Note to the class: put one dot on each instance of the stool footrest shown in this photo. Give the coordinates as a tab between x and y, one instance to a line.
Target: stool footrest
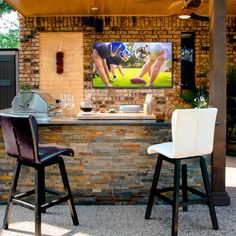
181	203
158	192
197	192
63	197
54	192
44	206
54	202
23	204
25	194
31	192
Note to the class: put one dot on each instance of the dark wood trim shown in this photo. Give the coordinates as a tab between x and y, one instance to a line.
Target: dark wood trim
217	78
221	198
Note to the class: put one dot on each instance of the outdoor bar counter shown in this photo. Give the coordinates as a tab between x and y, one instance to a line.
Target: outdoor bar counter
110	166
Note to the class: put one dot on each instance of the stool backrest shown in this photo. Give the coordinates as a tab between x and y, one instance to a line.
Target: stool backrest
9	136
23	136
193	131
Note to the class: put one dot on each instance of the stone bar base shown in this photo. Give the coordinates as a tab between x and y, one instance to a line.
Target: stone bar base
110	165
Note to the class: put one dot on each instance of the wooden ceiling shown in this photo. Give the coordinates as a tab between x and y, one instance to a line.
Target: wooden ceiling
109	7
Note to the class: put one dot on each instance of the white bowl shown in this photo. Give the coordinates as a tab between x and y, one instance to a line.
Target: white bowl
130	108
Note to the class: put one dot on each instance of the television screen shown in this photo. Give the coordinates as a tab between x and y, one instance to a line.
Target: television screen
132	64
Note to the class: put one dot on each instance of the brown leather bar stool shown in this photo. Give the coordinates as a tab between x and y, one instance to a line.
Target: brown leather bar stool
192	139
21	142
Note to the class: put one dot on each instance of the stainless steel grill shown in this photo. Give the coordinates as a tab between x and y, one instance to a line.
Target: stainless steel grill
35	103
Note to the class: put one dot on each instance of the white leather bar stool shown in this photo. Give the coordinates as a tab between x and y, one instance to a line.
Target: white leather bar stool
192	139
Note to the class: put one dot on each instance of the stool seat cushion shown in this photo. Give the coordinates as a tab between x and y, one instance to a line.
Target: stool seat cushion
161	148
166	149
48	151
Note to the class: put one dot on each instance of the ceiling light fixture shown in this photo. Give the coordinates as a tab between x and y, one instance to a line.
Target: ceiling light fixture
184	16
94	8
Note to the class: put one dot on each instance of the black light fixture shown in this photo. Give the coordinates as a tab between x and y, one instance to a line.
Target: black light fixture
98	25
94	8
184	14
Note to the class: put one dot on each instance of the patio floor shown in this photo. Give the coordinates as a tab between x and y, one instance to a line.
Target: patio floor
128	220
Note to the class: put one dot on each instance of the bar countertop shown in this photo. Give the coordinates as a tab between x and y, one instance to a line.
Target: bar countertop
97	119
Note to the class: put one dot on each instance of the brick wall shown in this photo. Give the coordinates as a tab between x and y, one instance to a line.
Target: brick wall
124	29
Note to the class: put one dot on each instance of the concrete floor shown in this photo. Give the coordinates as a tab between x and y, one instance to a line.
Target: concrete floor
128	220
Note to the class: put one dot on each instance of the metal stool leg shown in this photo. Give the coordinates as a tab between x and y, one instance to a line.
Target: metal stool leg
43	201
175	212
68	191
184	186
39	195
208	193
154	187
11	195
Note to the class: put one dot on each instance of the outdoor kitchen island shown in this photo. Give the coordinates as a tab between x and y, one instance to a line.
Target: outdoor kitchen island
110	165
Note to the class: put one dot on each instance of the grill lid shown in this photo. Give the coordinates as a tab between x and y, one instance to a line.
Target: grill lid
33	102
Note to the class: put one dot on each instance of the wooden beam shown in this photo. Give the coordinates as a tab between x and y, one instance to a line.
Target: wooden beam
217	64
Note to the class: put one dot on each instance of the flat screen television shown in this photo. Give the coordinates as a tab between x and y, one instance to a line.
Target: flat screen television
132	64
